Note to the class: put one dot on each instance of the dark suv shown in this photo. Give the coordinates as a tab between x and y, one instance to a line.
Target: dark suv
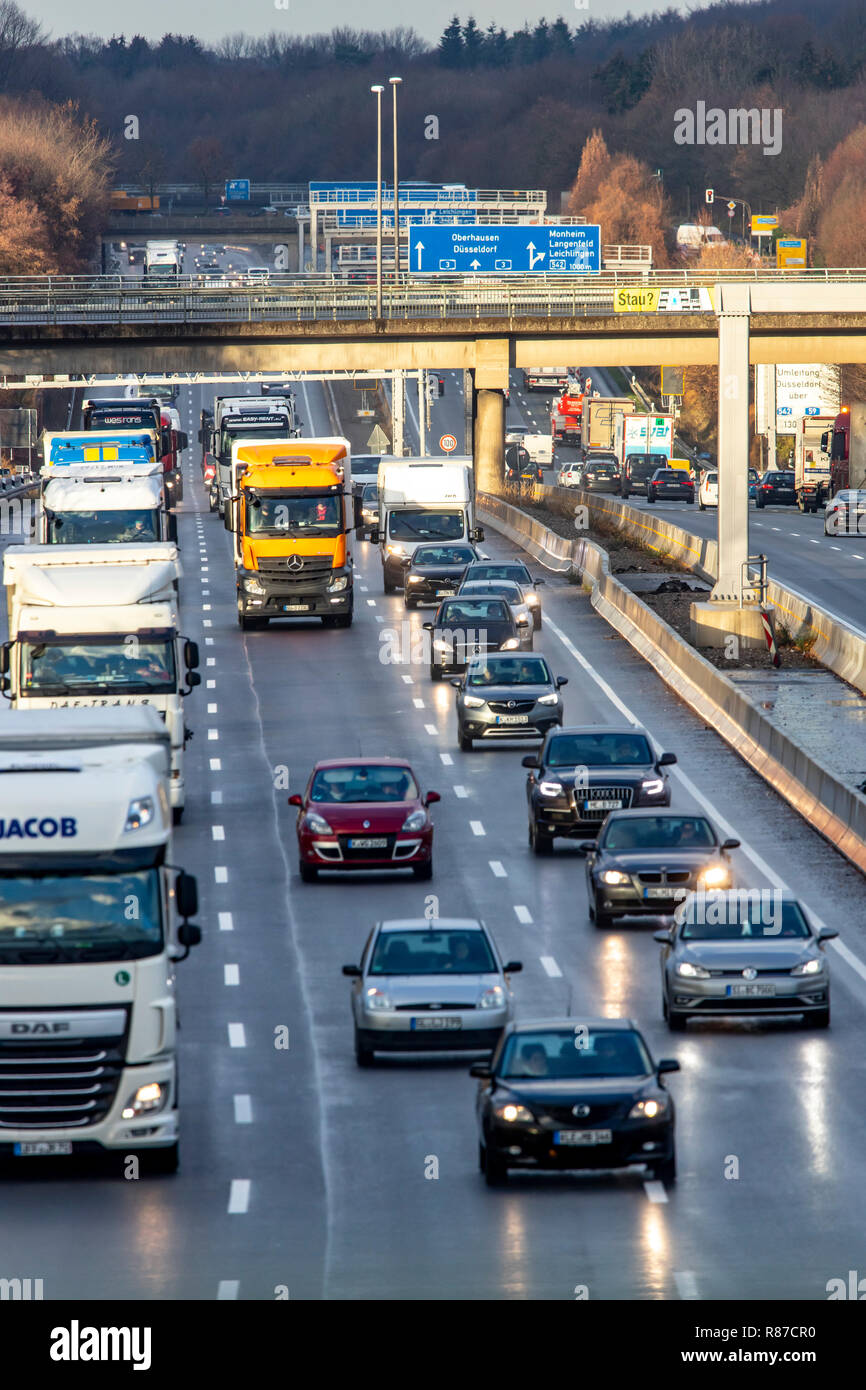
582	773
776	488
636	472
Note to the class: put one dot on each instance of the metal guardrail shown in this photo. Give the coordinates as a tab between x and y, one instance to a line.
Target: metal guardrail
120	299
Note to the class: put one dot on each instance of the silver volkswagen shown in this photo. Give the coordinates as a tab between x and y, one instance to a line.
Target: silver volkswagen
430	986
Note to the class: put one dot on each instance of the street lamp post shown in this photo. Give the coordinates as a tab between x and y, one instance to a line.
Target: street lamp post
395	83
378	90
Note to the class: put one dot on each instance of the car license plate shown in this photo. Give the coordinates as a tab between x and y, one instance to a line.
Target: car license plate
43	1150
445	593
751	991
658	892
436	1023
296	608
582	1138
599	804
378	842
512	718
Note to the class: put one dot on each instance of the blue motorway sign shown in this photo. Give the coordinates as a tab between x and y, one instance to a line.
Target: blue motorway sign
237	190
499	250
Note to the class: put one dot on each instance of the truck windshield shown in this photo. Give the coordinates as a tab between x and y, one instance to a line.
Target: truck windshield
295	516
421	525
100	528
79	917
74	666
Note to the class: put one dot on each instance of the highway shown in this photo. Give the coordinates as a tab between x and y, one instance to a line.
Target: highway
302	1174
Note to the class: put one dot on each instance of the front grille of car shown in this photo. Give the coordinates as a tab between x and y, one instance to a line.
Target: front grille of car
598	1110
359	855
510	706
667	876
432	1008
738	974
56	1085
581	794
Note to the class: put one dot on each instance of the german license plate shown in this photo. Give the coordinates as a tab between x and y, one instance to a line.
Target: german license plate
658	892
582	1138
62	1148
368	843
436	1023
751	991
605	804
512	718
296	608
445	593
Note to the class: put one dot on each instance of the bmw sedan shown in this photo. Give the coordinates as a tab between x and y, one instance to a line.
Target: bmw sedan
514	570
434	571
430	986
507	696
467	627
583	773
645	863
574	1093
362	813
745	951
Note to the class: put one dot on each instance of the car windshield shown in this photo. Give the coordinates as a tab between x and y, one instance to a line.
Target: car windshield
574	1054
472	611
428	555
509	670
370	492
518	573
426	526
362	783
742	915
75	667
502	589
658	832
281	515
452	951
78	916
598	750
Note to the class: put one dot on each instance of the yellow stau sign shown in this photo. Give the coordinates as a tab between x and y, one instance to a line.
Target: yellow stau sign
693	299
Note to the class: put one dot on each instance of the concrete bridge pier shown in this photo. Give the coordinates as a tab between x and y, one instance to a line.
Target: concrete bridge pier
489	440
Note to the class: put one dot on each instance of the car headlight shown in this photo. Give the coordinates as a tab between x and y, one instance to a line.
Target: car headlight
140	813
441	645
416	820
652	786
809	967
650	1109
614	876
509	644
416	579
532	600
523	619
319	826
377	999
492	998
473	702
548	699
551	788
396	550
253	585
146	1100
337	584
514	1114
692	972
718	876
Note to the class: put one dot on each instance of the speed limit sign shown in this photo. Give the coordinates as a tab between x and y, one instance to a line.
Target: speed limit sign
448	443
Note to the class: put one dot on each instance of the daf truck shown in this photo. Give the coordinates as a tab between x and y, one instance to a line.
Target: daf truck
98	626
94	915
422	499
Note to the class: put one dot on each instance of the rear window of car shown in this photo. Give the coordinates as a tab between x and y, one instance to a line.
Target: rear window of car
362	783
598	750
472	611
447	952
574	1054
658	832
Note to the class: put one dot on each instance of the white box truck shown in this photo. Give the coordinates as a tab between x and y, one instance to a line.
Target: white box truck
812	435
83	505
98	626
93	917
422	499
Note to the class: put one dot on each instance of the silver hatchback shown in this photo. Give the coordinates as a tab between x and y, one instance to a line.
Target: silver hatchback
430	986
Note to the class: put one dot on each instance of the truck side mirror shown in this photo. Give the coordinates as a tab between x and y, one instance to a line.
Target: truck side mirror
5	653
375	536
478	533
186	894
171	527
193	679
357	519
182	440
190	654
229	514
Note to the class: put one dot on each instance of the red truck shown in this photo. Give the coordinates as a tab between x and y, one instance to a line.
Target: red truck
847	448
566	419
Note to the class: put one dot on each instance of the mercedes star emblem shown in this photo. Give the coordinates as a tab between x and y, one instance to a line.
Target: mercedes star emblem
295	563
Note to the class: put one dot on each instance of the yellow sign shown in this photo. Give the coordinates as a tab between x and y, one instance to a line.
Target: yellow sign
791	253
763	223
628	299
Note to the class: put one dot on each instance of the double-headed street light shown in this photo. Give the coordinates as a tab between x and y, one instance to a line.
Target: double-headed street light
395	83
378	91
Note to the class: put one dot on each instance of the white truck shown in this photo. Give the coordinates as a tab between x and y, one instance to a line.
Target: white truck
812	460
94	914
422	499
162	260
98	625
84	505
642	443
538	446
546	378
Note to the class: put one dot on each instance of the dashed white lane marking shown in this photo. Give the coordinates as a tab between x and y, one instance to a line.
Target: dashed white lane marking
431	729
212	709
523	914
835	547
407	680
213	735
210	685
237	1035
210	661
225	921
497	868
218	832
461	792
227	1290
206	622
419	704
551	968
232	974
206	607
477	828
216	764
687	1284
655	1191
447	760
208	641
239	1197
379	618
814	542
371	603
221	874
216	798
243	1110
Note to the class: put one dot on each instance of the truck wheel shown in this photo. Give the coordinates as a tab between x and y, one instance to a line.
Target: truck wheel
161	1160
176	815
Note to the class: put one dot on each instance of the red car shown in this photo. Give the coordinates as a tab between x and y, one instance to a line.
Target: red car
364	813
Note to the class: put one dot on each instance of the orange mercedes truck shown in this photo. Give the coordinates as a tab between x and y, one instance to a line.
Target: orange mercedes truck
293	515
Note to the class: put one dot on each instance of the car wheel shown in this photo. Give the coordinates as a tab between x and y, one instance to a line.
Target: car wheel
435	672
650	497
176	815
363	1054
819	1019
541	844
495	1170
690	501
161	1160
389	587
701	507
212	504
309	873
409	602
676	1020
251	624
625	494
666	1171
759	503
423	871
465	743
602	920
482	1158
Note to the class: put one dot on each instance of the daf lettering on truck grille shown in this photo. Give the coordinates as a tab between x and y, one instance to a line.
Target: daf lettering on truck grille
35	829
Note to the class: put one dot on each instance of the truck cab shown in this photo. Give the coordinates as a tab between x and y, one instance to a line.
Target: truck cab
256	422
84	505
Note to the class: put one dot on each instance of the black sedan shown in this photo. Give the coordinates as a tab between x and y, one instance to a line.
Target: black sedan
646	863
600	474
776	488
435	571
468	627
668	484
507	696
581	774
562	1094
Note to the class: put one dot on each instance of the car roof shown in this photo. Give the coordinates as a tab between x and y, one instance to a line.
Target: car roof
437	924
362	762
533	1025
619	729
498	564
653	812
